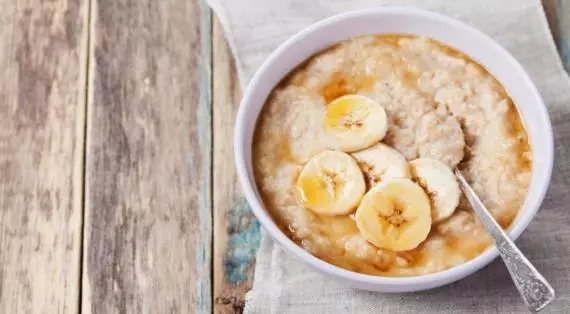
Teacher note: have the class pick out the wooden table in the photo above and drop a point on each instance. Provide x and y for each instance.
(117, 186)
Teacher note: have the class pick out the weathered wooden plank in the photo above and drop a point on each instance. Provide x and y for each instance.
(550, 11)
(563, 18)
(236, 231)
(558, 15)
(148, 204)
(42, 52)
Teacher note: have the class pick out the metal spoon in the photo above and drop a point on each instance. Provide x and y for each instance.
(534, 289)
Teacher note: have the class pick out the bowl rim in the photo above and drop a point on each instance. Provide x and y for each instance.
(420, 282)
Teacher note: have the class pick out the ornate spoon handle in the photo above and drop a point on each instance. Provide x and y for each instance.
(533, 287)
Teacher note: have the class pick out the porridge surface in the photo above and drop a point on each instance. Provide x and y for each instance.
(439, 105)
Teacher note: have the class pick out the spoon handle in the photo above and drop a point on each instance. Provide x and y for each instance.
(533, 287)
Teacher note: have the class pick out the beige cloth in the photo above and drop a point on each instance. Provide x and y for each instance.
(255, 28)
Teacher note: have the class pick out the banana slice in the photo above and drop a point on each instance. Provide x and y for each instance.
(440, 184)
(381, 162)
(331, 184)
(394, 215)
(354, 122)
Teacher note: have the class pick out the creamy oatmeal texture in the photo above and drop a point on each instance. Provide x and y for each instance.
(439, 105)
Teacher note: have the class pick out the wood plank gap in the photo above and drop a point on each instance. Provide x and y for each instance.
(212, 138)
(82, 136)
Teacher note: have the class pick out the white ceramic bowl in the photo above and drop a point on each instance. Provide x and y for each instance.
(399, 20)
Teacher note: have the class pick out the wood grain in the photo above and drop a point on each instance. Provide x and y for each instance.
(236, 231)
(148, 178)
(41, 154)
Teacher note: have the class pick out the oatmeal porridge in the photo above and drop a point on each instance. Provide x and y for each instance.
(354, 151)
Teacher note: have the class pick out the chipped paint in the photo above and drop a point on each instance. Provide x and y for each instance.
(244, 240)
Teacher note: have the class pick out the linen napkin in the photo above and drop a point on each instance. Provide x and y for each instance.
(254, 28)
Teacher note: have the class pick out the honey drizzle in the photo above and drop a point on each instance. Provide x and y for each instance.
(339, 86)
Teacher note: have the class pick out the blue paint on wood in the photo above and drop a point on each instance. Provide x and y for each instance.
(244, 240)
(204, 122)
